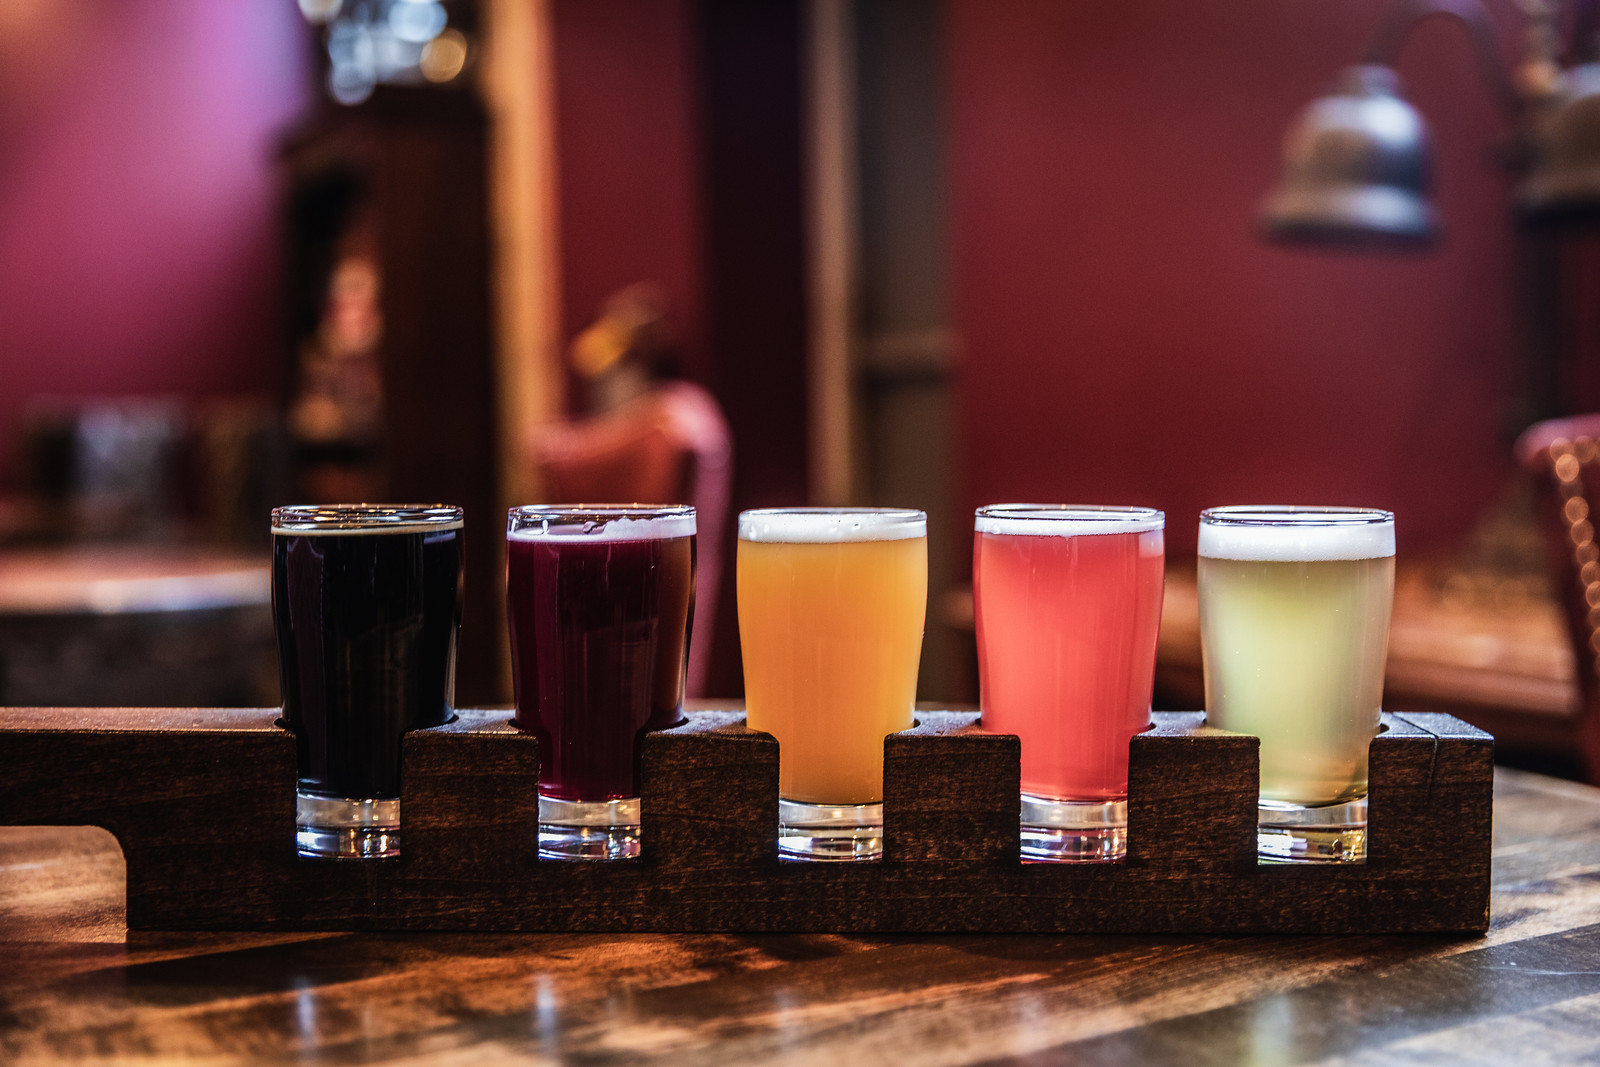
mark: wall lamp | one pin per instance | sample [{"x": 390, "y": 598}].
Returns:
[{"x": 1358, "y": 162}]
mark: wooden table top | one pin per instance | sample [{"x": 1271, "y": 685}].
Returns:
[{"x": 72, "y": 989}]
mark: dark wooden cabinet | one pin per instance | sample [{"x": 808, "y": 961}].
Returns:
[{"x": 402, "y": 181}]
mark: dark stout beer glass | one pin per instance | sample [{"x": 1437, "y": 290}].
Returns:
[
  {"x": 366, "y": 600},
  {"x": 599, "y": 599}
]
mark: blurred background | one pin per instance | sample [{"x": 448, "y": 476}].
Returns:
[{"x": 899, "y": 252}]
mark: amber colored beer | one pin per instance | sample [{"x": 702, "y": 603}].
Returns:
[{"x": 831, "y": 610}]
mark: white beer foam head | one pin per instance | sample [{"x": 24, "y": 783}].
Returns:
[
  {"x": 1030, "y": 520},
  {"x": 831, "y": 525},
  {"x": 1294, "y": 535},
  {"x": 598, "y": 524}
]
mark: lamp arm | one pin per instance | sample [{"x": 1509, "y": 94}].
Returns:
[{"x": 1404, "y": 16}]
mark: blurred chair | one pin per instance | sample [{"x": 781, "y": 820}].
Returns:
[
  {"x": 668, "y": 446},
  {"x": 1564, "y": 455}
]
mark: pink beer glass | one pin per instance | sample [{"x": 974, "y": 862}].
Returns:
[{"x": 1068, "y": 604}]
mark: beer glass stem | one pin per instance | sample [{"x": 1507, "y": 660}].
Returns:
[
  {"x": 588, "y": 829},
  {"x": 1296, "y": 833},
  {"x": 342, "y": 828},
  {"x": 1073, "y": 831},
  {"x": 829, "y": 831}
]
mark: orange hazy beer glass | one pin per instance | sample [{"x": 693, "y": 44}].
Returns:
[{"x": 831, "y": 608}]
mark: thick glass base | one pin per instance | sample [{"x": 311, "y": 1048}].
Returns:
[
  {"x": 829, "y": 832},
  {"x": 1073, "y": 831},
  {"x": 588, "y": 829},
  {"x": 339, "y": 828},
  {"x": 1294, "y": 833}
]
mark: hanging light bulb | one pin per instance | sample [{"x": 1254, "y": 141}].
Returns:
[{"x": 1357, "y": 168}]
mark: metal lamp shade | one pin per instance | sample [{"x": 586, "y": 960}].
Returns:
[
  {"x": 1357, "y": 169},
  {"x": 1564, "y": 185}
]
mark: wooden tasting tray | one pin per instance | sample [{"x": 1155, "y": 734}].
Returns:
[{"x": 202, "y": 802}]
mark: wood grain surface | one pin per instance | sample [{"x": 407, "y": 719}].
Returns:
[
  {"x": 1527, "y": 992},
  {"x": 201, "y": 802}
]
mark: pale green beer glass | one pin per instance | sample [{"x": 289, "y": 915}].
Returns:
[{"x": 1294, "y": 628}]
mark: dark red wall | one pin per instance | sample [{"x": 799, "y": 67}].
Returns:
[
  {"x": 138, "y": 215},
  {"x": 678, "y": 136},
  {"x": 1127, "y": 338},
  {"x": 628, "y": 158}
]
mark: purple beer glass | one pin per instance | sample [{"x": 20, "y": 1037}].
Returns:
[{"x": 599, "y": 599}]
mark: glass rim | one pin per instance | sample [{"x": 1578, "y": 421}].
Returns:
[
  {"x": 302, "y": 519},
  {"x": 1294, "y": 515},
  {"x": 599, "y": 511},
  {"x": 601, "y": 522},
  {"x": 1070, "y": 513}
]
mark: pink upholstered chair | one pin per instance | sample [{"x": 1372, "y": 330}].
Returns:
[{"x": 1564, "y": 454}]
